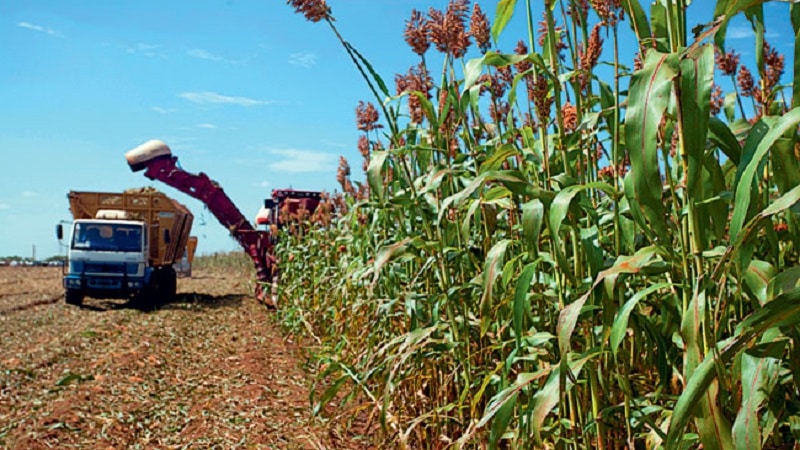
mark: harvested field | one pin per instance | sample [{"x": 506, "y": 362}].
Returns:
[{"x": 209, "y": 370}]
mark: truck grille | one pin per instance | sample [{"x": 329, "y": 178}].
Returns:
[{"x": 104, "y": 268}]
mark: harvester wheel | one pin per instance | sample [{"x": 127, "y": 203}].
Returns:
[{"x": 73, "y": 297}]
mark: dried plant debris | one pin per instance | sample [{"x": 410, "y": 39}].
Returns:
[{"x": 209, "y": 370}]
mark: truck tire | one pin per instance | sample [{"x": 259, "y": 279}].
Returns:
[
  {"x": 73, "y": 297},
  {"x": 169, "y": 285},
  {"x": 147, "y": 298}
]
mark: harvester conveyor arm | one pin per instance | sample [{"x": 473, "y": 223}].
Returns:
[{"x": 256, "y": 243}]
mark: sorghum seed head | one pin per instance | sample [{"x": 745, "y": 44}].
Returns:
[
  {"x": 570, "y": 115},
  {"x": 745, "y": 81},
  {"x": 416, "y": 33},
  {"x": 367, "y": 117},
  {"x": 479, "y": 28},
  {"x": 313, "y": 10},
  {"x": 727, "y": 62}
]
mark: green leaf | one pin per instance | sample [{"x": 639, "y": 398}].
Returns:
[
  {"x": 547, "y": 397},
  {"x": 757, "y": 278},
  {"x": 725, "y": 10},
  {"x": 558, "y": 212},
  {"x": 491, "y": 270},
  {"x": 621, "y": 321},
  {"x": 722, "y": 137},
  {"x": 532, "y": 217},
  {"x": 501, "y": 420},
  {"x": 375, "y": 173},
  {"x": 71, "y": 377},
  {"x": 759, "y": 376},
  {"x": 520, "y": 308},
  {"x": 650, "y": 94},
  {"x": 502, "y": 15},
  {"x": 498, "y": 157},
  {"x": 786, "y": 122},
  {"x": 784, "y": 282},
  {"x": 568, "y": 318},
  {"x": 375, "y": 76},
  {"x": 783, "y": 311},
  {"x": 697, "y": 78},
  {"x": 639, "y": 23},
  {"x": 387, "y": 253}
]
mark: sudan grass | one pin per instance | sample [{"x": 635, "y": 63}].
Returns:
[{"x": 563, "y": 246}]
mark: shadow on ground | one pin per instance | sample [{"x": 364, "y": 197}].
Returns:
[{"x": 191, "y": 300}]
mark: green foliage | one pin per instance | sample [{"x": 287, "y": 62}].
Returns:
[{"x": 540, "y": 259}]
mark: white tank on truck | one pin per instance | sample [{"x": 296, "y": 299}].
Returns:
[{"x": 123, "y": 245}]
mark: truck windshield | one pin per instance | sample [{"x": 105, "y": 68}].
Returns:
[{"x": 108, "y": 237}]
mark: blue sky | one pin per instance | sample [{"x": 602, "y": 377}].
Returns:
[{"x": 246, "y": 91}]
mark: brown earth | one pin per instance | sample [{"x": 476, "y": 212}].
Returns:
[{"x": 209, "y": 370}]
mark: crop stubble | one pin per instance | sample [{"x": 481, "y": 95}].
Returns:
[{"x": 208, "y": 370}]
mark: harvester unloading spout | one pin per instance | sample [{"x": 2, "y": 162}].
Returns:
[{"x": 155, "y": 157}]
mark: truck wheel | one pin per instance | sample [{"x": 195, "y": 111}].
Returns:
[
  {"x": 169, "y": 285},
  {"x": 73, "y": 297},
  {"x": 146, "y": 299}
]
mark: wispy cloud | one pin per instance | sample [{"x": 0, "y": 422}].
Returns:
[
  {"x": 4, "y": 206},
  {"x": 204, "y": 54},
  {"x": 303, "y": 161},
  {"x": 39, "y": 28},
  {"x": 207, "y": 126},
  {"x": 149, "y": 50},
  {"x": 261, "y": 184},
  {"x": 203, "y": 98},
  {"x": 333, "y": 144},
  {"x": 745, "y": 32},
  {"x": 29, "y": 194},
  {"x": 303, "y": 59},
  {"x": 161, "y": 110}
]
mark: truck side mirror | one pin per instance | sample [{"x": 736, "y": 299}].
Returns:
[
  {"x": 166, "y": 236},
  {"x": 59, "y": 232}
]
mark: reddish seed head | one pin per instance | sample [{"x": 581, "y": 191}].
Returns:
[
  {"x": 570, "y": 114},
  {"x": 363, "y": 146},
  {"x": 745, "y": 81},
  {"x": 313, "y": 10},
  {"x": 479, "y": 28},
  {"x": 448, "y": 30},
  {"x": 773, "y": 63},
  {"x": 367, "y": 117},
  {"x": 416, "y": 34},
  {"x": 717, "y": 101},
  {"x": 727, "y": 62},
  {"x": 522, "y": 49}
]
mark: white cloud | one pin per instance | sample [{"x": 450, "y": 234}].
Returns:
[
  {"x": 207, "y": 126},
  {"x": 149, "y": 50},
  {"x": 161, "y": 110},
  {"x": 303, "y": 59},
  {"x": 29, "y": 194},
  {"x": 202, "y": 98},
  {"x": 303, "y": 161},
  {"x": 203, "y": 54},
  {"x": 39, "y": 28},
  {"x": 262, "y": 184},
  {"x": 745, "y": 32},
  {"x": 333, "y": 144},
  {"x": 4, "y": 206}
]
